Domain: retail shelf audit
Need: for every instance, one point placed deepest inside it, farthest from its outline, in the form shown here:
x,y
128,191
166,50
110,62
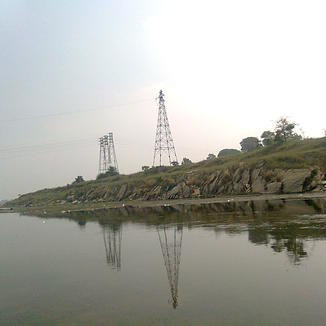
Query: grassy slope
x,y
292,155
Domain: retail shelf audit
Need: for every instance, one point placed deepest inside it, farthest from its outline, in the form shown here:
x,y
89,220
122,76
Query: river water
x,y
251,263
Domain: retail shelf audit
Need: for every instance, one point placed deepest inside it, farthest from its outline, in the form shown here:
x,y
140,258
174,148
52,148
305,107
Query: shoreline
x,y
160,203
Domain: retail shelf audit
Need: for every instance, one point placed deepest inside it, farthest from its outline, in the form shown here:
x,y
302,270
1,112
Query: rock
x,y
211,178
196,192
241,181
237,175
315,181
224,182
181,190
273,187
293,180
257,181
122,192
175,192
154,193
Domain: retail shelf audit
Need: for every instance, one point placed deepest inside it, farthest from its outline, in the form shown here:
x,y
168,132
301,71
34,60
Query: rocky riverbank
x,y
295,167
230,181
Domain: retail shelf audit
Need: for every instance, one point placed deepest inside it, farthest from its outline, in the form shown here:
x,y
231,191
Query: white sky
x,y
229,69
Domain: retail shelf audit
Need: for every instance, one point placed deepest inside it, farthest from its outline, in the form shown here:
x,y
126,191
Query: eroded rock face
x,y
273,188
122,192
293,180
241,181
238,180
257,181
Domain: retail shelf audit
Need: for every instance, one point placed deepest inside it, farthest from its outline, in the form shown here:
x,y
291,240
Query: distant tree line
x,y
283,132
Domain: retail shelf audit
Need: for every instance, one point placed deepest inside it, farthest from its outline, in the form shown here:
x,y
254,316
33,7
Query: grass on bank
x,y
294,154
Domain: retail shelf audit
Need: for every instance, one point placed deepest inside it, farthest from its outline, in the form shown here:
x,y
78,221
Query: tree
x,y
268,137
145,168
186,161
112,171
211,156
249,144
284,130
228,152
174,163
78,179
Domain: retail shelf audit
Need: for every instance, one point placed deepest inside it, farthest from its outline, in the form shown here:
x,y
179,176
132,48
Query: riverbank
x,y
291,168
67,209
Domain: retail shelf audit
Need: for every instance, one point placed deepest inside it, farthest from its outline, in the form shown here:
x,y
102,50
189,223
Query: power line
x,y
73,112
23,150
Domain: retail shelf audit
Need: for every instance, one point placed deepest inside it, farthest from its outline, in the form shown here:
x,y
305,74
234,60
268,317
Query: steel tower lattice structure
x,y
163,140
171,241
112,236
108,157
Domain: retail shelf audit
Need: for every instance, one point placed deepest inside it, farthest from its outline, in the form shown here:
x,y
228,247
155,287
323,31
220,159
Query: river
x,y
250,263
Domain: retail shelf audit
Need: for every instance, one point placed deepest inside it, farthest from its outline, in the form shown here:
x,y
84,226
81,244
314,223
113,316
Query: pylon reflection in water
x,y
112,236
171,241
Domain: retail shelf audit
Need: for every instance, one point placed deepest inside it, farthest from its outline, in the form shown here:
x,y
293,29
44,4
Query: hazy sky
x,y
229,69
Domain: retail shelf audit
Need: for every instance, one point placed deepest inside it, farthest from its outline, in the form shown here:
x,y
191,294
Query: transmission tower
x,y
171,240
163,139
112,236
107,154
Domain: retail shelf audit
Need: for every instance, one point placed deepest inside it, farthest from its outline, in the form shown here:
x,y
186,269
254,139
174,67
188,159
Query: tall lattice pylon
x,y
112,236
163,139
171,241
108,157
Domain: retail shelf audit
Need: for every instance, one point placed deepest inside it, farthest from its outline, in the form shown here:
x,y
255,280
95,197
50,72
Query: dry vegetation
x,y
294,154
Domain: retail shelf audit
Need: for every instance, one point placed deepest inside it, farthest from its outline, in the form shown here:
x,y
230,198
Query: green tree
x,y
228,152
78,179
145,168
211,156
111,171
268,137
284,130
186,161
249,144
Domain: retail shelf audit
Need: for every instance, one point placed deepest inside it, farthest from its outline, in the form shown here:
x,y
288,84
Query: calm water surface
x,y
260,263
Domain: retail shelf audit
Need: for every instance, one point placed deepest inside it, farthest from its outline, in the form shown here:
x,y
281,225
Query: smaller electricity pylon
x,y
163,140
171,241
108,157
112,236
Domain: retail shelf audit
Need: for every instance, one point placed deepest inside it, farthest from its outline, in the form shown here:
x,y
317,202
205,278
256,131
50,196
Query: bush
x,y
228,152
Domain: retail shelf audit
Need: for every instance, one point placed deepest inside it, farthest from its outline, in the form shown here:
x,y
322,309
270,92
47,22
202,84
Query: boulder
x,y
174,192
154,193
122,192
257,181
293,180
273,187
241,181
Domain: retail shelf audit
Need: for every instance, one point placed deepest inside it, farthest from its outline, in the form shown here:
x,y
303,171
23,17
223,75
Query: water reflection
x,y
171,240
112,236
293,238
288,226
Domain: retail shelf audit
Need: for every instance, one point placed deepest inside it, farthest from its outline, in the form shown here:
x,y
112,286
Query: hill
x,y
294,167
